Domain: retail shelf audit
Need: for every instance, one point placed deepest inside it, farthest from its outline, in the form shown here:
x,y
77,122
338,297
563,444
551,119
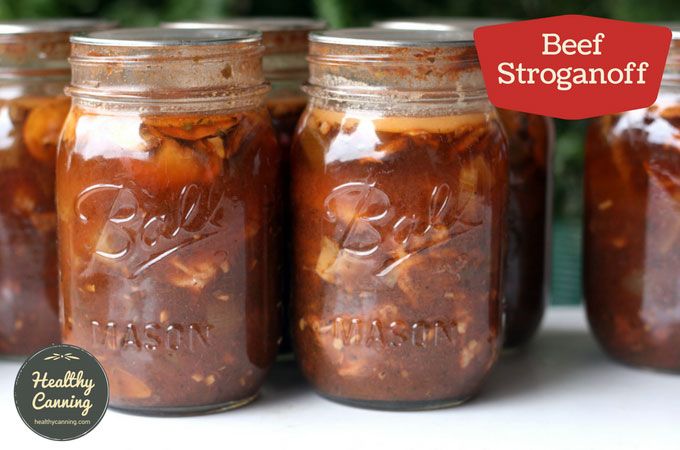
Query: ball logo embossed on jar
x,y
142,239
365,219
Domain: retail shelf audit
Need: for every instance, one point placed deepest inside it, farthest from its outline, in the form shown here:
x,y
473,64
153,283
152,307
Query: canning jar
x,y
532,141
399,193
33,73
168,200
285,67
632,228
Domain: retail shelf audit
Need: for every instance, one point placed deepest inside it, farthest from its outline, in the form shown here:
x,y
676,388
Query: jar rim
x,y
262,24
45,26
165,37
385,37
439,23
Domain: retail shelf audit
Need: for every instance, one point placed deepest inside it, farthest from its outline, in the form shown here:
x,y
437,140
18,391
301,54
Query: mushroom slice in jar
x,y
662,177
128,386
671,114
174,164
196,271
192,128
345,270
42,129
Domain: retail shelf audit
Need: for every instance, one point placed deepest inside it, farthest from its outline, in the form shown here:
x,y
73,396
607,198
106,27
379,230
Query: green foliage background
x,y
341,13
337,12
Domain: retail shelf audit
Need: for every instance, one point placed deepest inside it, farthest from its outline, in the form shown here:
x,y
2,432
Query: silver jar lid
x,y
379,37
439,23
42,26
263,24
166,37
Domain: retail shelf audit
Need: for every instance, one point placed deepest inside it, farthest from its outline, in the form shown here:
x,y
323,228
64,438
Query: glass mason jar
x,y
526,281
33,73
168,198
532,143
399,193
632,232
285,67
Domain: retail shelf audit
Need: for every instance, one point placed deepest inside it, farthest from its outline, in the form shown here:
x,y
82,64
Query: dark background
x,y
569,156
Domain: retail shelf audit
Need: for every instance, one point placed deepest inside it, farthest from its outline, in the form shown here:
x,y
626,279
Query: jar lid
x,y
379,37
166,37
439,23
43,26
263,24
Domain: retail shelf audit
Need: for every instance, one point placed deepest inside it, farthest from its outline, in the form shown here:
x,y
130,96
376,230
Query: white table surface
x,y
561,392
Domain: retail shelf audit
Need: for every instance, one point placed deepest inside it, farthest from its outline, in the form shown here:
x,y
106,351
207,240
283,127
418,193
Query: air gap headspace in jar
x,y
532,143
399,195
33,72
168,195
632,228
285,67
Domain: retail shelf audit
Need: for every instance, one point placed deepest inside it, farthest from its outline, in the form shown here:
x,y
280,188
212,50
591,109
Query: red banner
x,y
572,67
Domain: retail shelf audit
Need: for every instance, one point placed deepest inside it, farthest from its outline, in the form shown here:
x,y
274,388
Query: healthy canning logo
x,y
61,392
572,67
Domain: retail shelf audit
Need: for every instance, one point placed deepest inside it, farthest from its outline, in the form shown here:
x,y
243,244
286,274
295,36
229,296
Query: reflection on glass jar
x,y
632,231
285,67
33,73
168,192
399,193
531,146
